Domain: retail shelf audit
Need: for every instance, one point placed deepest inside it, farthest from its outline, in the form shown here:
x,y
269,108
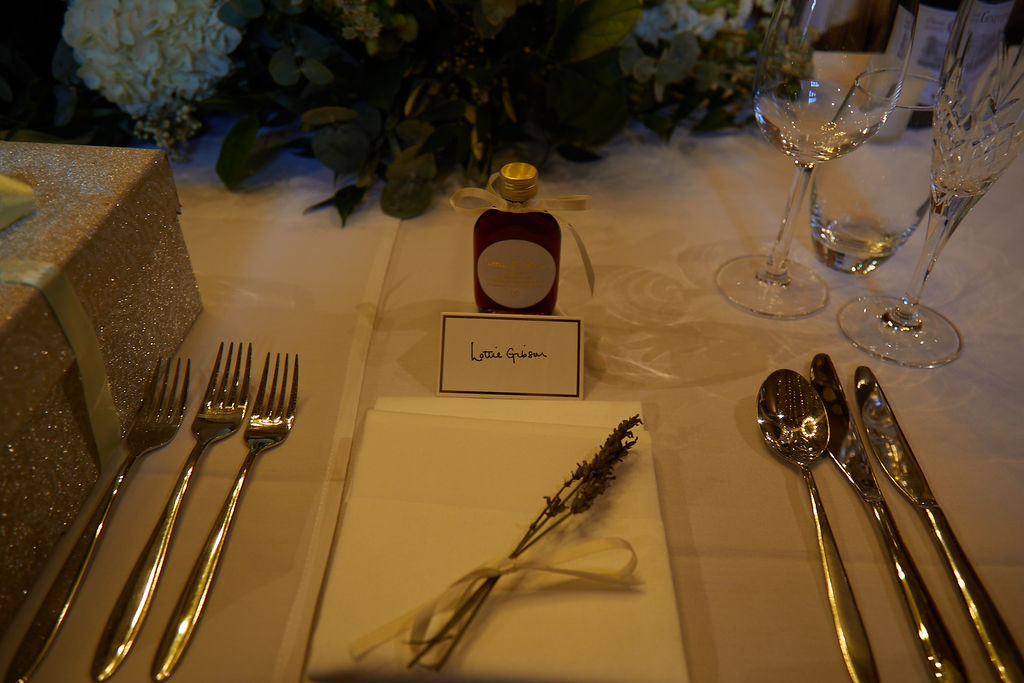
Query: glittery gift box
x,y
108,218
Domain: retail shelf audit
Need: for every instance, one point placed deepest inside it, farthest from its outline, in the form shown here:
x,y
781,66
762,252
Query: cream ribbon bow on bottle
x,y
490,199
417,621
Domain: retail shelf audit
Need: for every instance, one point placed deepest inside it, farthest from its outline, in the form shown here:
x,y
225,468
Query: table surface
x,y
361,306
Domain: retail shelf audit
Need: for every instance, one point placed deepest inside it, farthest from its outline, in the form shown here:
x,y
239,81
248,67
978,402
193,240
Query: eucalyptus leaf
x,y
345,201
405,198
496,12
6,94
589,100
412,132
283,66
644,69
250,9
67,102
311,44
322,116
316,71
599,25
684,49
232,162
343,149
410,164
228,15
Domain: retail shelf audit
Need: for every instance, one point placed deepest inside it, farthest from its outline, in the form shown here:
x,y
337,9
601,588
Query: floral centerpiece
x,y
396,92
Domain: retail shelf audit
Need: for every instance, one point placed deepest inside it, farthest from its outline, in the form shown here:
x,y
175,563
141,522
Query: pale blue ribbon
x,y
56,288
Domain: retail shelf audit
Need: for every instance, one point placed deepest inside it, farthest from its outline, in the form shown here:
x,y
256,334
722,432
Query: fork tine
x,y
184,391
165,397
214,374
222,388
273,387
257,408
174,408
279,408
295,389
248,367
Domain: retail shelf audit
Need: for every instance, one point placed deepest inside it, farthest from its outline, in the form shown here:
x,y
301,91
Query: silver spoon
x,y
795,428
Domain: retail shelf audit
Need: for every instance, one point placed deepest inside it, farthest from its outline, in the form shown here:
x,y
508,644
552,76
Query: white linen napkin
x,y
433,496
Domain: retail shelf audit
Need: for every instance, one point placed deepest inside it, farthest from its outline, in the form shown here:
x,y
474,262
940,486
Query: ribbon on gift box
x,y
490,199
56,288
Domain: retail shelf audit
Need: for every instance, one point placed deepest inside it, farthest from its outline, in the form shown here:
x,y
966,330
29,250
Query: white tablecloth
x,y
361,305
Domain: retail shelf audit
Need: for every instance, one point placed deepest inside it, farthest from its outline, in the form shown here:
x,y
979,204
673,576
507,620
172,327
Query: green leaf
x,y
230,16
599,25
589,100
412,132
67,101
343,149
284,68
578,154
316,72
250,9
404,198
345,201
322,116
6,94
496,12
684,49
232,162
410,164
311,44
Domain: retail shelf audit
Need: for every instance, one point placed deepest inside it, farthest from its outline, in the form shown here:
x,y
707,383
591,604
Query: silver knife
x,y
847,451
893,452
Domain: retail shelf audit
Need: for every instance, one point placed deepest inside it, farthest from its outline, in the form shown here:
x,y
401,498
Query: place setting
x,y
560,417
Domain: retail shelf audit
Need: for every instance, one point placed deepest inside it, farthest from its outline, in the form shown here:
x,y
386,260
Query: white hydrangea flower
x,y
661,22
149,56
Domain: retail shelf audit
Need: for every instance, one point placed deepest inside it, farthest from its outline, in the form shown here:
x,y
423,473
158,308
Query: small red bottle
x,y
516,251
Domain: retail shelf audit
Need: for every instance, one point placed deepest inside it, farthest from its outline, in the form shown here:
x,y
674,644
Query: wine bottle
x,y
516,249
934,23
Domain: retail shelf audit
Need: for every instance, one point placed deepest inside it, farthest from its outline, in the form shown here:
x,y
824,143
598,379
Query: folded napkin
x,y
433,496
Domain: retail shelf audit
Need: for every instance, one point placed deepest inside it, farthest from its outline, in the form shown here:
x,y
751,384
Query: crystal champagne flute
x,y
977,132
828,75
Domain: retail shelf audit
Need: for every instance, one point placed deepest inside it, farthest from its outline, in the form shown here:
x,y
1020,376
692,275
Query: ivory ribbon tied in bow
x,y
475,200
417,621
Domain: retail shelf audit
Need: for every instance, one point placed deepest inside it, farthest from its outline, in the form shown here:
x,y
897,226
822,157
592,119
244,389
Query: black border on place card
x,y
577,390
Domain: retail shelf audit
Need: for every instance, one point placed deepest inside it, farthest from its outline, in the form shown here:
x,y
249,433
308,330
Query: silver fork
x,y
269,425
155,424
220,413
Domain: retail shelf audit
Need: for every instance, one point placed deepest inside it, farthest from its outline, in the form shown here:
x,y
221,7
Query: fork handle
x,y
193,598
132,604
48,619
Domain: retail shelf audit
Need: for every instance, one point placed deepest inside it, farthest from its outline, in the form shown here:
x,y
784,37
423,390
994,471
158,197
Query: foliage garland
x,y
403,92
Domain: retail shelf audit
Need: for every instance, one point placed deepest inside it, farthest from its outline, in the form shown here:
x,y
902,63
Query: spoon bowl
x,y
792,418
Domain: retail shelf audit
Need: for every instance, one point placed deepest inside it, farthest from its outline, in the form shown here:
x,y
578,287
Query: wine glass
x,y
977,131
810,101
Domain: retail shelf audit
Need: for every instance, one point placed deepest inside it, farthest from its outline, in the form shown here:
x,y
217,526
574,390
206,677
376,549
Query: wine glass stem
x,y
774,271
946,214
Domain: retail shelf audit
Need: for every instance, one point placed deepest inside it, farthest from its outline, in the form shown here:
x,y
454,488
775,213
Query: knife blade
x,y
897,459
847,451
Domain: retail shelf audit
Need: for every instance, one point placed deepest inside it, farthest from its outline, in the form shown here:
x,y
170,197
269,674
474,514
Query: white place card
x,y
487,354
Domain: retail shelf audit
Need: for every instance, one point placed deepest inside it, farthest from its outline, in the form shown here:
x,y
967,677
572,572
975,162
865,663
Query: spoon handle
x,y
853,637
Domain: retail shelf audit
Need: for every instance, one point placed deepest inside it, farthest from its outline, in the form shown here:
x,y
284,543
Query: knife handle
x,y
943,659
853,637
995,637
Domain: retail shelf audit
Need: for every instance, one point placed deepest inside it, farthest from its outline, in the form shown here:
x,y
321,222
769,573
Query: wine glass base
x,y
804,293
936,342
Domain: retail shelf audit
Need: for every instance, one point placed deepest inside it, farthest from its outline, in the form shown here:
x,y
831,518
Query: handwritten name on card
x,y
511,355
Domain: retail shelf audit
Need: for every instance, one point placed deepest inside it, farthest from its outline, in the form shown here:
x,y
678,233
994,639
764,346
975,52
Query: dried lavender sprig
x,y
585,484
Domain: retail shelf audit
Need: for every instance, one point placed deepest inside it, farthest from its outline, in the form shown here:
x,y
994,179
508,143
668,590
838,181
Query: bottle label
x,y
516,273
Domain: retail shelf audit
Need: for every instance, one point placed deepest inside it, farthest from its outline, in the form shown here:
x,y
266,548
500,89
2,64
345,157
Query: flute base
x,y
865,322
802,293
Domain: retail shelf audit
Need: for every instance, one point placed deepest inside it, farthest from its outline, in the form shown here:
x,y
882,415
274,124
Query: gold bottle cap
x,y
518,182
